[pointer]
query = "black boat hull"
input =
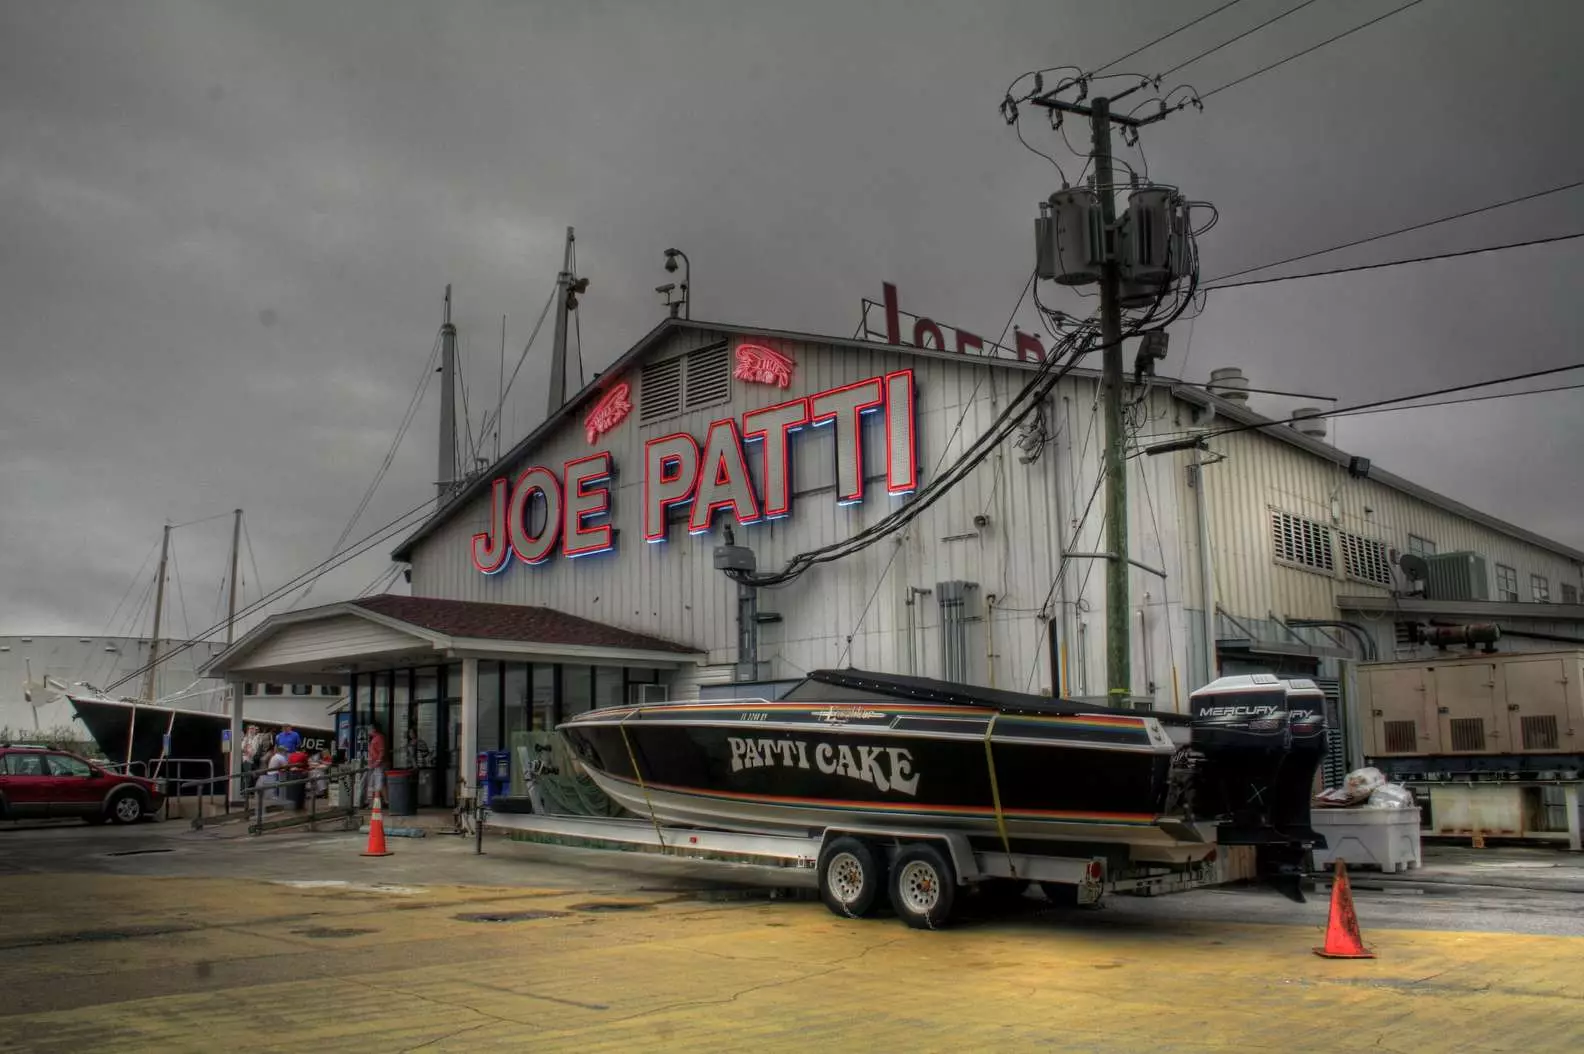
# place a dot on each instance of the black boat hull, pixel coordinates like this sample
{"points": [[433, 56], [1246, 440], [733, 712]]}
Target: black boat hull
{"points": [[195, 736], [772, 767]]}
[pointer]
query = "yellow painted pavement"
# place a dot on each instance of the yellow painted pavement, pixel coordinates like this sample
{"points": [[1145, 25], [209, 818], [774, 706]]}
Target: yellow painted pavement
{"points": [[144, 964]]}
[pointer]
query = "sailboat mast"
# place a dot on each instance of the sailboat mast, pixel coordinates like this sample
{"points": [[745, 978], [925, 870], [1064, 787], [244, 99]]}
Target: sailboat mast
{"points": [[558, 353], [447, 449], [159, 604], [236, 536]]}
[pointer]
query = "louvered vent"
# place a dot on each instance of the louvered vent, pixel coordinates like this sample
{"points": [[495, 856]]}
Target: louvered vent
{"points": [[708, 377], [1540, 732], [1468, 734], [1402, 737], [1366, 559], [1301, 541], [660, 390]]}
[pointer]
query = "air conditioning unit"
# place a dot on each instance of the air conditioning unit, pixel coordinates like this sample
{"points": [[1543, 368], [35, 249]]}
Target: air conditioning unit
{"points": [[1457, 576]]}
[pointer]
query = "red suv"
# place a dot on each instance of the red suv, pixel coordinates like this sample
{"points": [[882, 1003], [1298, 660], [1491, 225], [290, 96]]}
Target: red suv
{"points": [[39, 782]]}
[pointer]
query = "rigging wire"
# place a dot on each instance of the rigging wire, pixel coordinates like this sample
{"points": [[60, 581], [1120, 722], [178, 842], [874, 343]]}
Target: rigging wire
{"points": [[1532, 195], [1399, 263], [381, 534], [390, 455], [543, 313], [181, 594], [1306, 51], [1166, 36], [253, 561], [136, 577], [1240, 36]]}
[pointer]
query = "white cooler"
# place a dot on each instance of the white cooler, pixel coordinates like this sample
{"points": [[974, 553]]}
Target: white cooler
{"points": [[1385, 839]]}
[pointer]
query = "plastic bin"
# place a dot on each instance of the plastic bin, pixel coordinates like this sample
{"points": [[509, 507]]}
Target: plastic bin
{"points": [[1386, 839], [400, 785], [296, 793]]}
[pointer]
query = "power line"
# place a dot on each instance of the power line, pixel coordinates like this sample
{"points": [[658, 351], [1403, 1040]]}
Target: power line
{"points": [[1240, 36], [1167, 36], [1210, 282], [1344, 411], [1468, 399], [1305, 51], [1399, 263]]}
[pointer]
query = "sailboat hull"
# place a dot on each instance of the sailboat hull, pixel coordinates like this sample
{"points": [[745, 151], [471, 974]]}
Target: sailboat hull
{"points": [[195, 736]]}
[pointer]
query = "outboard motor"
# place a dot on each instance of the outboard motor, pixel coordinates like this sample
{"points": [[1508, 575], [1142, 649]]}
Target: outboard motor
{"points": [[1259, 741]]}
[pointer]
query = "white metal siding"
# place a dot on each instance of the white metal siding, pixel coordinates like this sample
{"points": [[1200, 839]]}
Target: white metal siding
{"points": [[326, 639]]}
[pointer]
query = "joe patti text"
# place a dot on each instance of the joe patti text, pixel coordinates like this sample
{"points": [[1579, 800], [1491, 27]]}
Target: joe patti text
{"points": [[567, 509], [886, 768]]}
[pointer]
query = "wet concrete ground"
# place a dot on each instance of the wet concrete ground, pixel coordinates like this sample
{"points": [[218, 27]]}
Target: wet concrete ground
{"points": [[159, 938]]}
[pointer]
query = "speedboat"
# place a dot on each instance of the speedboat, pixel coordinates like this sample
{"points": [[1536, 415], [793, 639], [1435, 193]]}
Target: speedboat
{"points": [[851, 748]]}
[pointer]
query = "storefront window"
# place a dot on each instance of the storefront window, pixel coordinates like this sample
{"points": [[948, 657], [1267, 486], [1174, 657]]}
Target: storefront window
{"points": [[577, 690], [401, 717], [608, 682], [544, 677], [382, 704], [428, 715], [516, 699], [489, 705]]}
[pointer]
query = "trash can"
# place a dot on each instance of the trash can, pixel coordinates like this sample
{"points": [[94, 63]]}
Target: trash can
{"points": [[399, 784], [296, 795]]}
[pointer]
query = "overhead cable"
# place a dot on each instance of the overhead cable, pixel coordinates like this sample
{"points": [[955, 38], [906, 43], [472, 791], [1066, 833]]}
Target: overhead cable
{"points": [[1572, 185], [1166, 36], [1308, 50], [1400, 263]]}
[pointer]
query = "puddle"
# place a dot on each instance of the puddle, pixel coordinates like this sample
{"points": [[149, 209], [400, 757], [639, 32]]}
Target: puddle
{"points": [[613, 905], [507, 916], [139, 852], [331, 932]]}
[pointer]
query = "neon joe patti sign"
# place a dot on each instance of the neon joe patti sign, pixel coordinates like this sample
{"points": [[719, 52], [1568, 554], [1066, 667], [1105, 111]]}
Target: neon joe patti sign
{"points": [[546, 509]]}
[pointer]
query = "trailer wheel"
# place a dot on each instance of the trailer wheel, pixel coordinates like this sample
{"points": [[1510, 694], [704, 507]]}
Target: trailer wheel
{"points": [[923, 887], [851, 876]]}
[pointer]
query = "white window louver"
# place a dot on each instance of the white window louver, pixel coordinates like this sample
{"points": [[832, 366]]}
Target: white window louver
{"points": [[660, 390], [1366, 559], [708, 377], [1300, 541]]}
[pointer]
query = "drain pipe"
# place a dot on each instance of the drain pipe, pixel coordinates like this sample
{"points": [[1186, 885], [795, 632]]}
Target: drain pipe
{"points": [[1206, 570]]}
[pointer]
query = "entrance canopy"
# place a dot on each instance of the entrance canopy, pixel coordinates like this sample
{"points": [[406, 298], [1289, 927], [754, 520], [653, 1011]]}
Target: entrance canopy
{"points": [[329, 644]]}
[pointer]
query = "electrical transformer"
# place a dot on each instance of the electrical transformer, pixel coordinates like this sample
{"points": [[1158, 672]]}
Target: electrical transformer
{"points": [[1070, 244], [1155, 249]]}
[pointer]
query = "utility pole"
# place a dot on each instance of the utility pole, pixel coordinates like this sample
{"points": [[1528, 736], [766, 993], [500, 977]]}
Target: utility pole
{"points": [[1119, 658], [447, 450], [558, 353]]}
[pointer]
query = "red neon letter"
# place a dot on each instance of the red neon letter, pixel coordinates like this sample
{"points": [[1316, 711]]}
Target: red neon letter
{"points": [[846, 407], [723, 481], [773, 426], [585, 498], [1028, 346], [532, 548], [671, 471], [966, 340], [490, 548], [901, 434]]}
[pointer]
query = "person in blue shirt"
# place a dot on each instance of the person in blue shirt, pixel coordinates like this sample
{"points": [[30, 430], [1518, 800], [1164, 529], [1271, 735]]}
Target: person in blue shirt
{"points": [[289, 739]]}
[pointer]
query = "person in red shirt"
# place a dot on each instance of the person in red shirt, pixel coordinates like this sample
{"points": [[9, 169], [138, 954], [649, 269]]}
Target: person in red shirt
{"points": [[374, 782]]}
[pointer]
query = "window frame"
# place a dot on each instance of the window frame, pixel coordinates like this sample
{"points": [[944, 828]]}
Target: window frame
{"points": [[1539, 588], [1509, 596]]}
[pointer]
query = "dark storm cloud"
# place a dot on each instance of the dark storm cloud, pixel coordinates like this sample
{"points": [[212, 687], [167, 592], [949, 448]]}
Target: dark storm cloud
{"points": [[228, 228]]}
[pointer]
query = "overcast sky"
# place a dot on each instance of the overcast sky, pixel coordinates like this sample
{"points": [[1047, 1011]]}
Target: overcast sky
{"points": [[227, 228]]}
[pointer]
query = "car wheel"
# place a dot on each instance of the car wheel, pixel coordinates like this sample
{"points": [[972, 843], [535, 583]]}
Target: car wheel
{"points": [[128, 808]]}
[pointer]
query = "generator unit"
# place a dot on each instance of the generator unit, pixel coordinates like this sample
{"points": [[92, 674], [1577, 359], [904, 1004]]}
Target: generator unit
{"points": [[1508, 713]]}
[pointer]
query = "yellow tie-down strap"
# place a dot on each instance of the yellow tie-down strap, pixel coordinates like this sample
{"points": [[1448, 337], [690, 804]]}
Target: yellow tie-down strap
{"points": [[632, 759], [995, 794]]}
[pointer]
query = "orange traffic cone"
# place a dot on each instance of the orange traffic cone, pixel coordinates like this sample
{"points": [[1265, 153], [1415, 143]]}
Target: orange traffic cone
{"points": [[1342, 939], [376, 842]]}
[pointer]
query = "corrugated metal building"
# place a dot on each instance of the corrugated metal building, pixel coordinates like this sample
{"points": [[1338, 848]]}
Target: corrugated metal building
{"points": [[579, 570]]}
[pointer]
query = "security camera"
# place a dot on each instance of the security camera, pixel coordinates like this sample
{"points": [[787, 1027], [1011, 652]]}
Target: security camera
{"points": [[671, 264], [981, 521]]}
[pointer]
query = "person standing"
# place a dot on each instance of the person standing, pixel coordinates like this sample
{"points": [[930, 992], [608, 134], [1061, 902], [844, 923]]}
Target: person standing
{"points": [[374, 784], [289, 739]]}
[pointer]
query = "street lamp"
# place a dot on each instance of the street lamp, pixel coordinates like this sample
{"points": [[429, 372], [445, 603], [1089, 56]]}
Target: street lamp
{"points": [[687, 278]]}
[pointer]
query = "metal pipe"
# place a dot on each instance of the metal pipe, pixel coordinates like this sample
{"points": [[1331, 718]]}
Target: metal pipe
{"points": [[1206, 570]]}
